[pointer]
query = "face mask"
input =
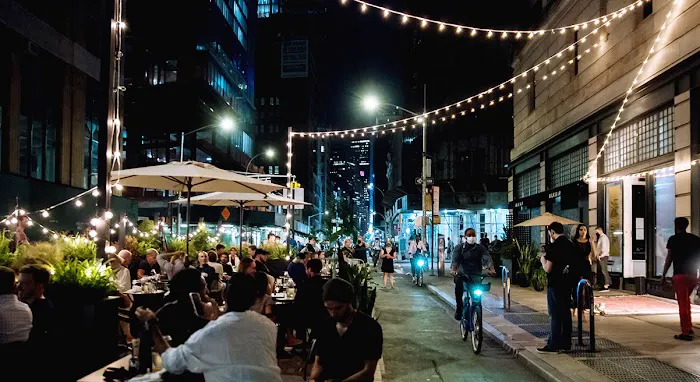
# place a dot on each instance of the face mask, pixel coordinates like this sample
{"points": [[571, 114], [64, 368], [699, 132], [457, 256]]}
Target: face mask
{"points": [[471, 239]]}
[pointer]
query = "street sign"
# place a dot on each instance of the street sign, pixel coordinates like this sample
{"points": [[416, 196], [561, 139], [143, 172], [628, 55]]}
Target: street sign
{"points": [[225, 213], [428, 181], [436, 219], [436, 200]]}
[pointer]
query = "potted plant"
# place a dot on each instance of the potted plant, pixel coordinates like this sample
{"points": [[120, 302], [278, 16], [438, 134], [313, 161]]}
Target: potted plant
{"points": [[527, 261]]}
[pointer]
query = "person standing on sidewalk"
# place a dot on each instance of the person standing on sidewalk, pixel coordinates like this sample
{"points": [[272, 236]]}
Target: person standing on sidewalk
{"points": [[468, 260], [388, 254], [684, 253], [557, 262], [602, 253]]}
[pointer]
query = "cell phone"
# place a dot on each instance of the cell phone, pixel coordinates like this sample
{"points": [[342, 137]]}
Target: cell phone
{"points": [[196, 301]]}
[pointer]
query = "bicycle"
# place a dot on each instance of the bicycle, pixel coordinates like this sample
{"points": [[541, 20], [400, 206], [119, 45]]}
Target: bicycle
{"points": [[418, 277], [472, 312]]}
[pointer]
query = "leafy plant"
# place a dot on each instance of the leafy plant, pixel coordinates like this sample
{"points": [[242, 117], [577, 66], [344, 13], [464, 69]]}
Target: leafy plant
{"points": [[78, 247], [277, 252], [360, 276], [92, 278], [539, 279], [202, 241], [139, 245], [528, 259], [176, 244], [6, 257], [147, 226], [38, 253]]}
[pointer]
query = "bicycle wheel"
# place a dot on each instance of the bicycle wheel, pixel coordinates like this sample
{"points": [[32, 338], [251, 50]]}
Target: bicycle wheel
{"points": [[477, 333], [464, 326], [419, 280]]}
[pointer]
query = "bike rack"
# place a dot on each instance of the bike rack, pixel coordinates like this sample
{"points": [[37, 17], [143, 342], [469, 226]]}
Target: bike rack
{"points": [[579, 308], [505, 279]]}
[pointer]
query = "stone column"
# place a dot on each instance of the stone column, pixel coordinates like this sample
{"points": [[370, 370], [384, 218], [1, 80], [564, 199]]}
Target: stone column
{"points": [[681, 143], [593, 182]]}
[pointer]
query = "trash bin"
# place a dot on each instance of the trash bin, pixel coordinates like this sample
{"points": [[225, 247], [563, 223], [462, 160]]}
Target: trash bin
{"points": [[640, 285]]}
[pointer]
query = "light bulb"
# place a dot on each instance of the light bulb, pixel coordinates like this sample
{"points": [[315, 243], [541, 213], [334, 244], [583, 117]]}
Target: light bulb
{"points": [[134, 231], [45, 231], [95, 193], [109, 215], [55, 236], [44, 214], [21, 212], [30, 223], [92, 233], [78, 203], [119, 187], [13, 220]]}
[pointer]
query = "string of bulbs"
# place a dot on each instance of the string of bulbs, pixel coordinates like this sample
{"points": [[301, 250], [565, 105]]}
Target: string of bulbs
{"points": [[667, 21], [658, 173], [474, 31], [549, 67]]}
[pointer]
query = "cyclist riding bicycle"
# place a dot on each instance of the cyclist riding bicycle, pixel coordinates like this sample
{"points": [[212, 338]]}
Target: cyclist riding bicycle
{"points": [[468, 259]]}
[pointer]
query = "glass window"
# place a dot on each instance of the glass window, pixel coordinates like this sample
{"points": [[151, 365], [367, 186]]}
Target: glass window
{"points": [[647, 138], [50, 152], [277, 170], [36, 168], [568, 168], [527, 183], [613, 215], [23, 144], [272, 101], [665, 213]]}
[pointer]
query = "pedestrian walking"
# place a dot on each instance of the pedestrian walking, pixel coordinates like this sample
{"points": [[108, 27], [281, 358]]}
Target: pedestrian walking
{"points": [[376, 250], [684, 253], [388, 256], [557, 263], [600, 259]]}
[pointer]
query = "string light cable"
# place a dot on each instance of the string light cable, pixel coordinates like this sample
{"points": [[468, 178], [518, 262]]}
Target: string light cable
{"points": [[547, 68], [474, 31], [667, 22], [658, 173]]}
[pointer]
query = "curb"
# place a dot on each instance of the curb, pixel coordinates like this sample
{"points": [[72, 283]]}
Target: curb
{"points": [[527, 357]]}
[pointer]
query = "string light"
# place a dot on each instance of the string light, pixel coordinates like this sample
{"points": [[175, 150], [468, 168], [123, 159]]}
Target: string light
{"points": [[609, 135], [508, 86], [505, 33], [78, 203]]}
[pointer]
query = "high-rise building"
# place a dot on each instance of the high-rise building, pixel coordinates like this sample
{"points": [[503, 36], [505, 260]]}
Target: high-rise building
{"points": [[191, 66], [350, 172]]}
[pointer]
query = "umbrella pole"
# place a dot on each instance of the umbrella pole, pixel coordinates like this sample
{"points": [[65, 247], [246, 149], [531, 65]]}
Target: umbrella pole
{"points": [[187, 237], [240, 229]]}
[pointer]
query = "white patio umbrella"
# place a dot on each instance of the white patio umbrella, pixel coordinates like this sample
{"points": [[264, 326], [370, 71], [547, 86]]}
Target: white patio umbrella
{"points": [[241, 199], [545, 220], [191, 176]]}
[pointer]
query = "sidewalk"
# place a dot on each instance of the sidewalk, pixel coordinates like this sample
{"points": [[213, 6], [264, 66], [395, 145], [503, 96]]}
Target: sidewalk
{"points": [[630, 346]]}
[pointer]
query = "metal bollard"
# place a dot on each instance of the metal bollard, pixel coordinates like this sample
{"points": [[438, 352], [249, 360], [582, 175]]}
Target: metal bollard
{"points": [[505, 279]]}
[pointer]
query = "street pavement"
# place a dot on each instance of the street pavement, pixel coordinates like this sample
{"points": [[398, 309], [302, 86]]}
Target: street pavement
{"points": [[422, 341]]}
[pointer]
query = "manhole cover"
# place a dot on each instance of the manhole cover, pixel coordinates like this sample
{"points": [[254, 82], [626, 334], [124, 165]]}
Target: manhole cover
{"points": [[604, 349], [527, 318]]}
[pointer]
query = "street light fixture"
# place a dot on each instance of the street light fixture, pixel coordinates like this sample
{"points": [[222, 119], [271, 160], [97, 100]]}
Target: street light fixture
{"points": [[225, 124], [270, 153], [308, 219]]}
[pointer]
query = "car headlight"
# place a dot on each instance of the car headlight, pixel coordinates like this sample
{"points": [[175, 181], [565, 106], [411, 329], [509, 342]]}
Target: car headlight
{"points": [[421, 263], [478, 292]]}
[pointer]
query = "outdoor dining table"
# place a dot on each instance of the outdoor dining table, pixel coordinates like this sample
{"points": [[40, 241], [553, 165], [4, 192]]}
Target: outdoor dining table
{"points": [[152, 300]]}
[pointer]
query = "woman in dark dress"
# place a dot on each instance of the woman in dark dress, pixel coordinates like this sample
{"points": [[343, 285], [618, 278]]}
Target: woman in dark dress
{"points": [[582, 255], [388, 256]]}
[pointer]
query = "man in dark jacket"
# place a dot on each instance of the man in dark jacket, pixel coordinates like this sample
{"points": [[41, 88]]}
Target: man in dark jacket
{"points": [[469, 258], [309, 297], [558, 263]]}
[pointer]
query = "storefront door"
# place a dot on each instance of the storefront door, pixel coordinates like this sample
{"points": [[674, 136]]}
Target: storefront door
{"points": [[613, 224]]}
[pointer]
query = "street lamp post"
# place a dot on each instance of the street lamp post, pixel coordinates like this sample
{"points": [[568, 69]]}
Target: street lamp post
{"points": [[224, 124], [308, 219], [268, 153]]}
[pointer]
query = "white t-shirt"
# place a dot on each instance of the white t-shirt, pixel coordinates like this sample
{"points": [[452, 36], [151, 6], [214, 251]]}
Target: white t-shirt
{"points": [[234, 347]]}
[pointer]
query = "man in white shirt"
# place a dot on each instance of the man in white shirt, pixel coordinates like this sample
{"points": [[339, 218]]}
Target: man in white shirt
{"points": [[122, 276], [237, 346], [602, 252], [15, 316]]}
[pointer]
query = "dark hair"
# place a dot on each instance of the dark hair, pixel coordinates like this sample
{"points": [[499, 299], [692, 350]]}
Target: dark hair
{"points": [[578, 227], [7, 280], [557, 227], [212, 256], [260, 284], [338, 290], [302, 255], [241, 293], [270, 234], [252, 247], [469, 229], [260, 251], [681, 224], [314, 265], [245, 263], [40, 274], [188, 280], [220, 246]]}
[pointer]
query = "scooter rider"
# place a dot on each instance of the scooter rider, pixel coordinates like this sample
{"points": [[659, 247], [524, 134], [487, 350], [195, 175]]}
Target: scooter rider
{"points": [[468, 258]]}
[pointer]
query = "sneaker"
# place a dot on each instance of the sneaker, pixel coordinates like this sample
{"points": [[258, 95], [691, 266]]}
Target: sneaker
{"points": [[683, 337], [546, 349], [605, 289]]}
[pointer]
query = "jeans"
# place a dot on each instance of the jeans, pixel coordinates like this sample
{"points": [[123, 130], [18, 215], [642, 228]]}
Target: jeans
{"points": [[601, 263], [683, 285], [558, 301]]}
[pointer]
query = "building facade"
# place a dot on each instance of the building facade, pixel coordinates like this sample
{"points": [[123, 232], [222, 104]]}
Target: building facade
{"points": [[643, 178], [50, 100]]}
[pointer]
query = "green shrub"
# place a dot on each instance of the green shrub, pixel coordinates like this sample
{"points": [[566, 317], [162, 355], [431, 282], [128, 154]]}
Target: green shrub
{"points": [[202, 241], [139, 245], [44, 253], [91, 277], [277, 252], [147, 226], [77, 247]]}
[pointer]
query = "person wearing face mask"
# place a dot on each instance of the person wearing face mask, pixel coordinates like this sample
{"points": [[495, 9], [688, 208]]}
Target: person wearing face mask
{"points": [[468, 260]]}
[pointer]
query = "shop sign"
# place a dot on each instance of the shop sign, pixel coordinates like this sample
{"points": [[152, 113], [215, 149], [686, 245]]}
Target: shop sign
{"points": [[554, 195]]}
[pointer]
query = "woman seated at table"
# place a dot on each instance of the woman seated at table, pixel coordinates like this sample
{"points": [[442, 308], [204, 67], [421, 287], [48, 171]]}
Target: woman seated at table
{"points": [[263, 299], [205, 269], [234, 258], [247, 266]]}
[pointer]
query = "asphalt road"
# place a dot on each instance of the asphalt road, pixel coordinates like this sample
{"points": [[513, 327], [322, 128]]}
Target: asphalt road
{"points": [[422, 342]]}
